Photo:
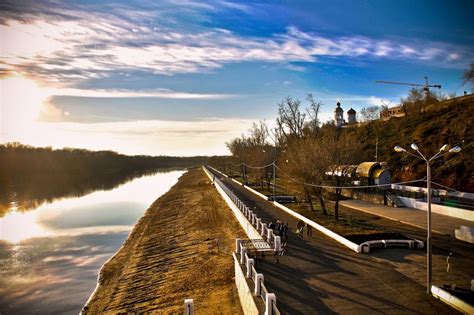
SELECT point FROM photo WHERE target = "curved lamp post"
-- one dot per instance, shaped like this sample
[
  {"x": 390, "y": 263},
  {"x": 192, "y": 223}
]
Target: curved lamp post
[{"x": 443, "y": 151}]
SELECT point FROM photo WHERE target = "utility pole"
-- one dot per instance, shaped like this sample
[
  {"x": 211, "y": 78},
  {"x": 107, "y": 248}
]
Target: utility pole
[
  {"x": 376, "y": 149},
  {"x": 429, "y": 262}
]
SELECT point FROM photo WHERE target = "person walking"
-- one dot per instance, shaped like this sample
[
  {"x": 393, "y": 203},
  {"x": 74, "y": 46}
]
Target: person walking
[
  {"x": 300, "y": 228},
  {"x": 285, "y": 231}
]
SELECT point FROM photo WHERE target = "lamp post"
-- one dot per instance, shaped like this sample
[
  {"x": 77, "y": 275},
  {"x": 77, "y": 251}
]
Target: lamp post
[{"x": 420, "y": 156}]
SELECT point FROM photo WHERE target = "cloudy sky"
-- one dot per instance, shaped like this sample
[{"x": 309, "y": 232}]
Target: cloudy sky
[{"x": 182, "y": 77}]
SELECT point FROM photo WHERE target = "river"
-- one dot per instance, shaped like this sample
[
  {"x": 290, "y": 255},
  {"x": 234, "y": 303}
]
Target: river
[{"x": 50, "y": 255}]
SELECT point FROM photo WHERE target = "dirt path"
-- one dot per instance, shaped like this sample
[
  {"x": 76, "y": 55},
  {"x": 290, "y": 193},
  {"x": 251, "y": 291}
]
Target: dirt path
[{"x": 181, "y": 248}]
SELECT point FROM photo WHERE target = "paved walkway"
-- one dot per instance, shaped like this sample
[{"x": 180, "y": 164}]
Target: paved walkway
[
  {"x": 317, "y": 275},
  {"x": 412, "y": 223},
  {"x": 441, "y": 224}
]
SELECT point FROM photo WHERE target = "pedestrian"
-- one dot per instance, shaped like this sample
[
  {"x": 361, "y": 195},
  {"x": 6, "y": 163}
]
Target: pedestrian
[
  {"x": 309, "y": 230},
  {"x": 285, "y": 231},
  {"x": 300, "y": 228}
]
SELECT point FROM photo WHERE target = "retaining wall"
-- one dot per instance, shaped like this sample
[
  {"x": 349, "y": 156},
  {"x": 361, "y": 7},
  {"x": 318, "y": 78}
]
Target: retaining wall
[
  {"x": 440, "y": 209},
  {"x": 344, "y": 241},
  {"x": 245, "y": 294},
  {"x": 251, "y": 232}
]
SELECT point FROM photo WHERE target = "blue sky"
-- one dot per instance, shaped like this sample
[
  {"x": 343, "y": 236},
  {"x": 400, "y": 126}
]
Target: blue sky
[{"x": 182, "y": 77}]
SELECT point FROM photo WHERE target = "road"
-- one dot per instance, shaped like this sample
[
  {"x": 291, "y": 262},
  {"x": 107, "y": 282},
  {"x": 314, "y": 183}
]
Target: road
[{"x": 317, "y": 275}]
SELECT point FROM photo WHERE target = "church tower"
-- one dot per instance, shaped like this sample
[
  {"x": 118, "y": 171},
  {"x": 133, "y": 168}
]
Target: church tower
[
  {"x": 339, "y": 115},
  {"x": 351, "y": 116}
]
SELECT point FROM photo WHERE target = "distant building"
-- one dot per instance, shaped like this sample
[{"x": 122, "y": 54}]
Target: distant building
[
  {"x": 339, "y": 116},
  {"x": 351, "y": 116},
  {"x": 396, "y": 111}
]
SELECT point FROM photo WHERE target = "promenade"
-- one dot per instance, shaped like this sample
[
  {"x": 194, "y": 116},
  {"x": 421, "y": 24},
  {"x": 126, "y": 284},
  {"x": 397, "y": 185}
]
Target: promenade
[
  {"x": 317, "y": 275},
  {"x": 441, "y": 224},
  {"x": 412, "y": 223}
]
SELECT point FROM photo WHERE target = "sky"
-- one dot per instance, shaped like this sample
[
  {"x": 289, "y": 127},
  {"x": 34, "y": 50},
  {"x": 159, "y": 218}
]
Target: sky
[{"x": 183, "y": 77}]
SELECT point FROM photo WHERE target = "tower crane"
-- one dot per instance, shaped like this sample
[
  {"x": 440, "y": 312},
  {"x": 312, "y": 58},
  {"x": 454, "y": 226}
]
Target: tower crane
[{"x": 426, "y": 86}]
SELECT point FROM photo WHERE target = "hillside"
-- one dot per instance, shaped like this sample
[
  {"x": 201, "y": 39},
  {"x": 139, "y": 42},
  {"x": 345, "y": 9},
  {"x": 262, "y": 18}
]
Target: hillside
[{"x": 448, "y": 122}]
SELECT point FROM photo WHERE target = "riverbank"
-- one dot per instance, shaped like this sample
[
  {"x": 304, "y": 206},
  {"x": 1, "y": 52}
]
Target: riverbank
[{"x": 181, "y": 248}]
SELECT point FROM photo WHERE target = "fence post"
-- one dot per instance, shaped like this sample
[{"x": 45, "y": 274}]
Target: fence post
[
  {"x": 269, "y": 235},
  {"x": 264, "y": 226},
  {"x": 250, "y": 263},
  {"x": 189, "y": 306},
  {"x": 277, "y": 243},
  {"x": 258, "y": 283},
  {"x": 270, "y": 298},
  {"x": 243, "y": 250},
  {"x": 259, "y": 221},
  {"x": 238, "y": 242}
]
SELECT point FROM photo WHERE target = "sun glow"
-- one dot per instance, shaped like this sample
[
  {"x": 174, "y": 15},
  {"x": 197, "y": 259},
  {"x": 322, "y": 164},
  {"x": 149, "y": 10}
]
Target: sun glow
[{"x": 22, "y": 100}]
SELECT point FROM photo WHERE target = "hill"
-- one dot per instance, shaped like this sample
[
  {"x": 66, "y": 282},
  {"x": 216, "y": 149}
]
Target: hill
[{"x": 448, "y": 122}]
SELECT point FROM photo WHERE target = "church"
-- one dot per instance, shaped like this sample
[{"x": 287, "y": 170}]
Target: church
[{"x": 339, "y": 116}]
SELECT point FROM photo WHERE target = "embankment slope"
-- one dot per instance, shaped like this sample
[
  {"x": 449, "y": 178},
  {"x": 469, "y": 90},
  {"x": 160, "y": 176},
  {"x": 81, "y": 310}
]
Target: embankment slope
[{"x": 181, "y": 248}]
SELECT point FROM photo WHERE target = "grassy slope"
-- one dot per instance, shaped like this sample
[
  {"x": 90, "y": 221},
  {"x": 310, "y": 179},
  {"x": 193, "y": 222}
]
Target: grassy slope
[
  {"x": 441, "y": 124},
  {"x": 170, "y": 255}
]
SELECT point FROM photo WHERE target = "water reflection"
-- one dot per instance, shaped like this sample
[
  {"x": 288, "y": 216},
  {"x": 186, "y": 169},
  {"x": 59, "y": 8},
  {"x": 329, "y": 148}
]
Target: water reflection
[
  {"x": 24, "y": 195},
  {"x": 50, "y": 256}
]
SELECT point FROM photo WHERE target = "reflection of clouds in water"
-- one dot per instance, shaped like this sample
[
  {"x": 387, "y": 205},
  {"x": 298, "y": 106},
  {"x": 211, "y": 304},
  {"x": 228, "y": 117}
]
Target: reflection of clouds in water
[
  {"x": 103, "y": 214},
  {"x": 57, "y": 274}
]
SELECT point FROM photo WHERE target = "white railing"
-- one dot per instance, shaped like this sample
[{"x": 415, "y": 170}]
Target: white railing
[
  {"x": 260, "y": 290},
  {"x": 267, "y": 234},
  {"x": 269, "y": 242}
]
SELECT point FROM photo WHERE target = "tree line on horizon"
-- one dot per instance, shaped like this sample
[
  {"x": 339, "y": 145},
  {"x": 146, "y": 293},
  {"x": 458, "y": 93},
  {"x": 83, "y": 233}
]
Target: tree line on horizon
[{"x": 31, "y": 175}]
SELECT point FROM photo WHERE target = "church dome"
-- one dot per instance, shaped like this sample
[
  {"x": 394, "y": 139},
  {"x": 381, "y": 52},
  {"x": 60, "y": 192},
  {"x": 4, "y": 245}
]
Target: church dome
[
  {"x": 351, "y": 111},
  {"x": 338, "y": 108}
]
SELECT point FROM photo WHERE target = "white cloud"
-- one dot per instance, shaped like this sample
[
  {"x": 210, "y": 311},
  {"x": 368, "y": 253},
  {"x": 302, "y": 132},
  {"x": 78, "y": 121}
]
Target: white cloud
[
  {"x": 160, "y": 93},
  {"x": 95, "y": 45},
  {"x": 153, "y": 137}
]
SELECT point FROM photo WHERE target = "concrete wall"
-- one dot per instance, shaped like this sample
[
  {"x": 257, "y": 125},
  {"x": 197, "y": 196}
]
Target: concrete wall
[
  {"x": 441, "y": 192},
  {"x": 359, "y": 195},
  {"x": 245, "y": 294},
  {"x": 440, "y": 209},
  {"x": 344, "y": 241},
  {"x": 251, "y": 232}
]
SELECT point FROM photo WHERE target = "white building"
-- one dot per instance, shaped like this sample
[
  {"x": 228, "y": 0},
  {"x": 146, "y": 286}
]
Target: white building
[{"x": 339, "y": 116}]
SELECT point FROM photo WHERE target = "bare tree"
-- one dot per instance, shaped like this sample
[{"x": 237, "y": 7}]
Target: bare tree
[
  {"x": 313, "y": 113},
  {"x": 258, "y": 133},
  {"x": 339, "y": 149},
  {"x": 370, "y": 113},
  {"x": 468, "y": 75},
  {"x": 290, "y": 120}
]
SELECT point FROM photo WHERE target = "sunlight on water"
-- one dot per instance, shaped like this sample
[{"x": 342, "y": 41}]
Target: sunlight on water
[
  {"x": 97, "y": 212},
  {"x": 51, "y": 255}
]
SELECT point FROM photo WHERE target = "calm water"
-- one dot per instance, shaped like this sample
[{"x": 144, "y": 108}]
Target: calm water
[{"x": 50, "y": 256}]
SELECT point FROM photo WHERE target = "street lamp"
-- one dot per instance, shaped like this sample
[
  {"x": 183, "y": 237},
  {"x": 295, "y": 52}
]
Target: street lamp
[{"x": 420, "y": 156}]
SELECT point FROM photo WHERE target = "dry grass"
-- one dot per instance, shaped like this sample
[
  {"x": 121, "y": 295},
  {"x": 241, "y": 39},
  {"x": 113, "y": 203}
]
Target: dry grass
[{"x": 181, "y": 248}]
